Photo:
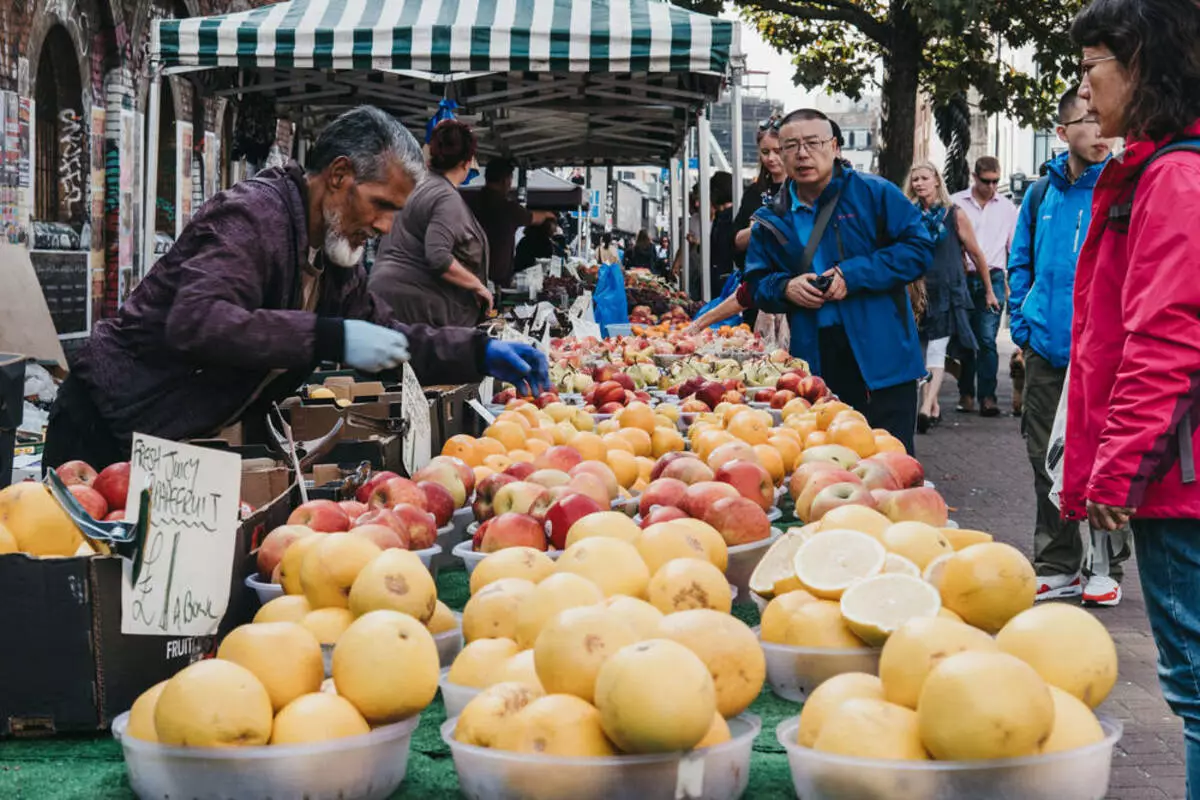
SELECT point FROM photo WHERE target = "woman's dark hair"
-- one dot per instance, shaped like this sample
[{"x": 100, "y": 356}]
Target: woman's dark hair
[
  {"x": 764, "y": 180},
  {"x": 1158, "y": 42},
  {"x": 643, "y": 239},
  {"x": 451, "y": 143},
  {"x": 606, "y": 239},
  {"x": 720, "y": 188}
]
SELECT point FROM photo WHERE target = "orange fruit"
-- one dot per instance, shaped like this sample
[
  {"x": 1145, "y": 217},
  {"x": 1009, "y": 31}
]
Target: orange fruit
[
  {"x": 540, "y": 435},
  {"x": 507, "y": 433},
  {"x": 700, "y": 426},
  {"x": 880, "y": 432},
  {"x": 889, "y": 444},
  {"x": 608, "y": 426},
  {"x": 827, "y": 411},
  {"x": 705, "y": 443},
  {"x": 853, "y": 434},
  {"x": 483, "y": 472},
  {"x": 849, "y": 415},
  {"x": 624, "y": 465},
  {"x": 640, "y": 440},
  {"x": 589, "y": 445},
  {"x": 615, "y": 441},
  {"x": 645, "y": 467},
  {"x": 636, "y": 415},
  {"x": 803, "y": 424},
  {"x": 771, "y": 461},
  {"x": 497, "y": 463},
  {"x": 463, "y": 447},
  {"x": 789, "y": 450},
  {"x": 783, "y": 430},
  {"x": 749, "y": 427},
  {"x": 487, "y": 446},
  {"x": 665, "y": 440},
  {"x": 816, "y": 439},
  {"x": 532, "y": 414},
  {"x": 519, "y": 419},
  {"x": 562, "y": 432},
  {"x": 520, "y": 455},
  {"x": 537, "y": 446},
  {"x": 797, "y": 405}
]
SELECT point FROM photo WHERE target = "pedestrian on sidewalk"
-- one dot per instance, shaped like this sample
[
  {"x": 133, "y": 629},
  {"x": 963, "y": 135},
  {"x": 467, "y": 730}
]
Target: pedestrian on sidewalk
[
  {"x": 1053, "y": 223},
  {"x": 836, "y": 251},
  {"x": 947, "y": 300},
  {"x": 994, "y": 217},
  {"x": 1133, "y": 404}
]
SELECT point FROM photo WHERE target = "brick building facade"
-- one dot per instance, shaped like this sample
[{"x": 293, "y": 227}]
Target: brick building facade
[{"x": 74, "y": 89}]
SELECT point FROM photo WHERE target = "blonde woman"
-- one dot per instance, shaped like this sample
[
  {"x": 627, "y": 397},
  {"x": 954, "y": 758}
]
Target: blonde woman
[{"x": 947, "y": 298}]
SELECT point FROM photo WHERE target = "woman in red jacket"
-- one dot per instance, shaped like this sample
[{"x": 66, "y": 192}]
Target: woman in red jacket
[{"x": 1134, "y": 392}]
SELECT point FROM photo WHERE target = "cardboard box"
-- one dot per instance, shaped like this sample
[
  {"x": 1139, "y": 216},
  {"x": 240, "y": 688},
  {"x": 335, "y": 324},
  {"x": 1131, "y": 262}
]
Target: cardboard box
[
  {"x": 454, "y": 416},
  {"x": 66, "y": 665}
]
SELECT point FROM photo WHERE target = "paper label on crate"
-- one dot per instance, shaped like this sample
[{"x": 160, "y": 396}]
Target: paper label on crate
[
  {"x": 487, "y": 389},
  {"x": 188, "y": 555},
  {"x": 486, "y": 415},
  {"x": 415, "y": 449}
]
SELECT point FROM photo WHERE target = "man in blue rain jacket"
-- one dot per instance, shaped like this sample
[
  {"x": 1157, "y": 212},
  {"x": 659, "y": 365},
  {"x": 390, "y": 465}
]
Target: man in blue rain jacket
[{"x": 858, "y": 332}]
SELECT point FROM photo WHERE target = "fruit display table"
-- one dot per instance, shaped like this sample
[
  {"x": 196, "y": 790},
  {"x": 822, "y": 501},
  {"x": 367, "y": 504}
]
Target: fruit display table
[{"x": 92, "y": 766}]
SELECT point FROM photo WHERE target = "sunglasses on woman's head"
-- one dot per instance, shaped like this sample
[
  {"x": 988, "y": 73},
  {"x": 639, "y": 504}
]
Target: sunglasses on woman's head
[{"x": 771, "y": 124}]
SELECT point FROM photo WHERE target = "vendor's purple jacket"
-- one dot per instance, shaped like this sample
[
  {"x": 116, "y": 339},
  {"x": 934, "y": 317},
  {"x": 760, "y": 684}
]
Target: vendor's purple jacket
[{"x": 217, "y": 315}]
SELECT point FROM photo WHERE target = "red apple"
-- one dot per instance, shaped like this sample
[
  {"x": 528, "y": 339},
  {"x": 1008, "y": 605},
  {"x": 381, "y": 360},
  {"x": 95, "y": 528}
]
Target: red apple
[
  {"x": 662, "y": 514},
  {"x": 804, "y": 473},
  {"x": 665, "y": 492},
  {"x": 465, "y": 473},
  {"x": 710, "y": 393},
  {"x": 751, "y": 480},
  {"x": 781, "y": 399},
  {"x": 812, "y": 388},
  {"x": 764, "y": 395},
  {"x": 384, "y": 536},
  {"x": 601, "y": 471},
  {"x": 694, "y": 406},
  {"x": 908, "y": 471},
  {"x": 439, "y": 501},
  {"x": 788, "y": 382},
  {"x": 419, "y": 524},
  {"x": 113, "y": 484},
  {"x": 565, "y": 512},
  {"x": 379, "y": 516},
  {"x": 549, "y": 478},
  {"x": 876, "y": 475},
  {"x": 394, "y": 491},
  {"x": 91, "y": 500},
  {"x": 625, "y": 381},
  {"x": 700, "y": 497},
  {"x": 839, "y": 494},
  {"x": 604, "y": 372},
  {"x": 376, "y": 478},
  {"x": 690, "y": 471},
  {"x": 608, "y": 392},
  {"x": 545, "y": 398},
  {"x": 447, "y": 476},
  {"x": 115, "y": 516},
  {"x": 841, "y": 455},
  {"x": 485, "y": 494},
  {"x": 921, "y": 504},
  {"x": 560, "y": 457},
  {"x": 739, "y": 521},
  {"x": 517, "y": 497},
  {"x": 733, "y": 385},
  {"x": 592, "y": 486},
  {"x": 353, "y": 509},
  {"x": 325, "y": 516},
  {"x": 733, "y": 396},
  {"x": 610, "y": 408},
  {"x": 512, "y": 530},
  {"x": 270, "y": 552},
  {"x": 662, "y": 462},
  {"x": 77, "y": 473},
  {"x": 815, "y": 484},
  {"x": 520, "y": 470}
]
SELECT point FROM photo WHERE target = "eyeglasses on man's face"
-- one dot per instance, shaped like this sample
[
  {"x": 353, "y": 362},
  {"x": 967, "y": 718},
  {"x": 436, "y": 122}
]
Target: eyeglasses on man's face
[
  {"x": 811, "y": 144},
  {"x": 988, "y": 181}
]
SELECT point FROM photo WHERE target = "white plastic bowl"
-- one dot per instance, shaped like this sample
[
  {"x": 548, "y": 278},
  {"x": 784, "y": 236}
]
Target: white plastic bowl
[
  {"x": 455, "y": 696},
  {"x": 759, "y": 601},
  {"x": 1080, "y": 774},
  {"x": 427, "y": 555},
  {"x": 266, "y": 591},
  {"x": 720, "y": 772},
  {"x": 367, "y": 767},
  {"x": 471, "y": 558},
  {"x": 627, "y": 505},
  {"x": 463, "y": 517},
  {"x": 793, "y": 672},
  {"x": 743, "y": 558},
  {"x": 448, "y": 535}
]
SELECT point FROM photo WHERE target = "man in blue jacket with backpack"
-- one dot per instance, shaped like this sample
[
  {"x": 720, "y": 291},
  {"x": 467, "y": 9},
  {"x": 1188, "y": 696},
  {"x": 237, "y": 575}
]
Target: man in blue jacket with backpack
[
  {"x": 836, "y": 252},
  {"x": 1051, "y": 228}
]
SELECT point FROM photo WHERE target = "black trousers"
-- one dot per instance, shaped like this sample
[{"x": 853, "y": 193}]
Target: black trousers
[
  {"x": 77, "y": 431},
  {"x": 893, "y": 408}
]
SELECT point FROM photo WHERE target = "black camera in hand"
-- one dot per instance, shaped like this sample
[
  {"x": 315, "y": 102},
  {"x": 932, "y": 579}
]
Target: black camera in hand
[{"x": 822, "y": 283}]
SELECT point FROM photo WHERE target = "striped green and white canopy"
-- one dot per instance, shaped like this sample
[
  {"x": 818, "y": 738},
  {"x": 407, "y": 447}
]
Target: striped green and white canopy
[{"x": 444, "y": 37}]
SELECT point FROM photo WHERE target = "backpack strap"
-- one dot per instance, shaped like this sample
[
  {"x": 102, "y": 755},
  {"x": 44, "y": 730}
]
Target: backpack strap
[
  {"x": 1036, "y": 194},
  {"x": 1124, "y": 211}
]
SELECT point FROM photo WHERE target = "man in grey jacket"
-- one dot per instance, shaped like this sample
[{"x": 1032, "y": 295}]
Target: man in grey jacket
[{"x": 264, "y": 284}]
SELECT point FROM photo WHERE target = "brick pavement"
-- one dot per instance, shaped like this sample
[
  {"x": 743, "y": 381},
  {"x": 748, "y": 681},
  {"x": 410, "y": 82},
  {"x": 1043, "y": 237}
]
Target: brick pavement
[{"x": 981, "y": 469}]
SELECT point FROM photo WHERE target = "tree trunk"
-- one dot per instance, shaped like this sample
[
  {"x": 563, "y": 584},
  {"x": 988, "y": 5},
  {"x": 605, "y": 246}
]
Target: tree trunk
[{"x": 901, "y": 72}]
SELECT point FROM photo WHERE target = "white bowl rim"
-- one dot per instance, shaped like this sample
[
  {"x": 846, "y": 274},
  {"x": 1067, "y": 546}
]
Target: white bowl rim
[
  {"x": 254, "y": 583},
  {"x": 464, "y": 548},
  {"x": 738, "y": 549},
  {"x": 448, "y": 528},
  {"x": 752, "y": 720},
  {"x": 395, "y": 730},
  {"x": 790, "y": 649},
  {"x": 785, "y": 733}
]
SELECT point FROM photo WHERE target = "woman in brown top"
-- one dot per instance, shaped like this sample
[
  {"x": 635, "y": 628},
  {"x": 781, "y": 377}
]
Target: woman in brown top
[{"x": 432, "y": 266}]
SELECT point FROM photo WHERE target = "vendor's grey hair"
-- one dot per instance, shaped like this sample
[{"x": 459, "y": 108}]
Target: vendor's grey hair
[{"x": 367, "y": 136}]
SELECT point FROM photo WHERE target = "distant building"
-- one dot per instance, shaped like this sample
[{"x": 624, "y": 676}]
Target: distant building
[{"x": 756, "y": 108}]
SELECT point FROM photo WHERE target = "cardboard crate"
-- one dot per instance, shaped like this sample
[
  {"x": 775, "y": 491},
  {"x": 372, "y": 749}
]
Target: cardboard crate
[
  {"x": 454, "y": 416},
  {"x": 66, "y": 665}
]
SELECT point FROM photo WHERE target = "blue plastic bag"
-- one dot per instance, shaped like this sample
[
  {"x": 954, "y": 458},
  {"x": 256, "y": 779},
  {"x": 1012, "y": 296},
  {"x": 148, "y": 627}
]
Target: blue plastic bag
[
  {"x": 731, "y": 286},
  {"x": 608, "y": 301}
]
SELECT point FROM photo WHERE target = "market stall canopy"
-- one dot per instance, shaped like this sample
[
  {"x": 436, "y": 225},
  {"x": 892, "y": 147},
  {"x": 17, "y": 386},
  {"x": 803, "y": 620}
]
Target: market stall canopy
[
  {"x": 547, "y": 82},
  {"x": 545, "y": 191}
]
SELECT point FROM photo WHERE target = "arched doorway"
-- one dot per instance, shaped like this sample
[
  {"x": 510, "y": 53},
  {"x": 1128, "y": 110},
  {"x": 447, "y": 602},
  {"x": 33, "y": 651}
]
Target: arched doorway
[
  {"x": 60, "y": 134},
  {"x": 165, "y": 211}
]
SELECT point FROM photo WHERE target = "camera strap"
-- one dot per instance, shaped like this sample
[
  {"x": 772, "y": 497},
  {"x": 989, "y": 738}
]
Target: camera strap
[{"x": 818, "y": 231}]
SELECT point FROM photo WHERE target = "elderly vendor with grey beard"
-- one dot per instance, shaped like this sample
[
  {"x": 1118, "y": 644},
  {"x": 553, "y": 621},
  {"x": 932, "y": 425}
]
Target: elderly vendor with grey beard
[{"x": 264, "y": 284}]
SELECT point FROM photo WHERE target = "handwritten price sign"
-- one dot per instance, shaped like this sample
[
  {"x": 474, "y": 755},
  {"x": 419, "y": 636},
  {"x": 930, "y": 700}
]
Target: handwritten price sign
[{"x": 183, "y": 587}]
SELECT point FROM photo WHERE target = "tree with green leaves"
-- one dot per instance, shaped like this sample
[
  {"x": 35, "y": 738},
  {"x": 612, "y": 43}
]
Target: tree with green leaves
[{"x": 940, "y": 47}]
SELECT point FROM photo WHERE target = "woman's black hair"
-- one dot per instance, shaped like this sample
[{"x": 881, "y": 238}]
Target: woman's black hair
[
  {"x": 606, "y": 239},
  {"x": 451, "y": 143},
  {"x": 1158, "y": 42}
]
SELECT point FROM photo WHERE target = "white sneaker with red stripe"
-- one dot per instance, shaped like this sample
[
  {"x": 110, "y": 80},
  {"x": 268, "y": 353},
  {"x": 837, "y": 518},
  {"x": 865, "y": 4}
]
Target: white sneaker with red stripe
[
  {"x": 1054, "y": 587},
  {"x": 1101, "y": 591}
]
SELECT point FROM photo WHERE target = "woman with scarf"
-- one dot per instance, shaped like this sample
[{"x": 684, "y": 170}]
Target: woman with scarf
[{"x": 947, "y": 299}]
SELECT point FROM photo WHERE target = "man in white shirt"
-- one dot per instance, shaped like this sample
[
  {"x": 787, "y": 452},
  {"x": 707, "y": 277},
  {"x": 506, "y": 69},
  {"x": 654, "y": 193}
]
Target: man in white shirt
[{"x": 994, "y": 218}]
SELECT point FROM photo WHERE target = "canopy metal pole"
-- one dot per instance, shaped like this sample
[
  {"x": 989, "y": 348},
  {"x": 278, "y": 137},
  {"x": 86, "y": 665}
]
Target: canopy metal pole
[
  {"x": 673, "y": 184},
  {"x": 149, "y": 205},
  {"x": 686, "y": 272},
  {"x": 705, "y": 205},
  {"x": 735, "y": 158}
]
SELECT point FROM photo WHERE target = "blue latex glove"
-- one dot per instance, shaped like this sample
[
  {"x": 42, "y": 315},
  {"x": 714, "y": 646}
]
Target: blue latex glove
[
  {"x": 522, "y": 365},
  {"x": 373, "y": 348}
]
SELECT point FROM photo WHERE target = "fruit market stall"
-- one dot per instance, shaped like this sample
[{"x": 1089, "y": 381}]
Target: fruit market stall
[{"x": 779, "y": 613}]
